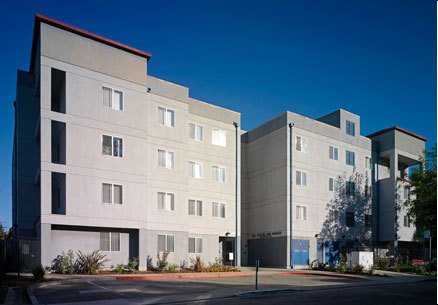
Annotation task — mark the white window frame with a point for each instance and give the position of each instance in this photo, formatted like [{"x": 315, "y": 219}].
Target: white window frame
[
  {"x": 119, "y": 151},
  {"x": 303, "y": 178},
  {"x": 407, "y": 193},
  {"x": 166, "y": 242},
  {"x": 167, "y": 122},
  {"x": 219, "y": 141},
  {"x": 348, "y": 126},
  {"x": 166, "y": 159},
  {"x": 112, "y": 98},
  {"x": 112, "y": 193},
  {"x": 368, "y": 163},
  {"x": 352, "y": 155},
  {"x": 332, "y": 155},
  {"x": 198, "y": 207},
  {"x": 111, "y": 246},
  {"x": 406, "y": 221},
  {"x": 198, "y": 245},
  {"x": 302, "y": 145},
  {"x": 219, "y": 207},
  {"x": 168, "y": 206},
  {"x": 301, "y": 212},
  {"x": 219, "y": 176},
  {"x": 193, "y": 164},
  {"x": 197, "y": 137}
]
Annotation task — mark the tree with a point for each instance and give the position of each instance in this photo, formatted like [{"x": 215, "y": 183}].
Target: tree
[
  {"x": 422, "y": 208},
  {"x": 2, "y": 232}
]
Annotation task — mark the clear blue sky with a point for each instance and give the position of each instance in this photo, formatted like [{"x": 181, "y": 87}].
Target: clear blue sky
[{"x": 373, "y": 58}]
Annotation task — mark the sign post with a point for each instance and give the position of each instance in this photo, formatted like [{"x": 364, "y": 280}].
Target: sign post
[
  {"x": 428, "y": 235},
  {"x": 257, "y": 274}
]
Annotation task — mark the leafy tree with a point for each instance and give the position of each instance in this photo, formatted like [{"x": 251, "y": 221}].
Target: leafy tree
[
  {"x": 422, "y": 208},
  {"x": 2, "y": 232}
]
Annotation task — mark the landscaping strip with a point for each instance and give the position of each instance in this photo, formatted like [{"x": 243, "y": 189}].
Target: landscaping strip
[{"x": 151, "y": 277}]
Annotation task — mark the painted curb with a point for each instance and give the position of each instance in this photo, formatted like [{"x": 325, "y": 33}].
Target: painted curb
[
  {"x": 322, "y": 274},
  {"x": 181, "y": 276}
]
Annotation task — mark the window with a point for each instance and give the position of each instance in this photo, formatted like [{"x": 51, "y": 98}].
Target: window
[
  {"x": 166, "y": 201},
  {"x": 367, "y": 220},
  {"x": 195, "y": 245},
  {"x": 196, "y": 132},
  {"x": 350, "y": 128},
  {"x": 166, "y": 243},
  {"x": 195, "y": 207},
  {"x": 301, "y": 178},
  {"x": 109, "y": 241},
  {"x": 333, "y": 184},
  {"x": 349, "y": 219},
  {"x": 166, "y": 159},
  {"x": 112, "y": 98},
  {"x": 333, "y": 153},
  {"x": 112, "y": 146},
  {"x": 407, "y": 193},
  {"x": 350, "y": 188},
  {"x": 301, "y": 213},
  {"x": 218, "y": 210},
  {"x": 218, "y": 173},
  {"x": 112, "y": 193},
  {"x": 195, "y": 169},
  {"x": 368, "y": 163},
  {"x": 333, "y": 216},
  {"x": 349, "y": 158},
  {"x": 219, "y": 137},
  {"x": 301, "y": 144},
  {"x": 166, "y": 117},
  {"x": 406, "y": 221}
]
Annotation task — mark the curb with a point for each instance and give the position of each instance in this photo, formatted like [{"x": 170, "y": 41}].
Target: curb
[
  {"x": 181, "y": 276},
  {"x": 32, "y": 297},
  {"x": 265, "y": 292},
  {"x": 322, "y": 274}
]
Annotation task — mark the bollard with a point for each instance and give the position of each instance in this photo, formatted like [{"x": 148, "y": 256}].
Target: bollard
[{"x": 257, "y": 274}]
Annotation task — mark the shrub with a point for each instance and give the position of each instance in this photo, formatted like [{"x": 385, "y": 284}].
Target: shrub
[
  {"x": 149, "y": 264},
  {"x": 183, "y": 265},
  {"x": 63, "y": 263},
  {"x": 132, "y": 264},
  {"x": 119, "y": 268},
  {"x": 217, "y": 263},
  {"x": 331, "y": 268},
  {"x": 197, "y": 264},
  {"x": 317, "y": 265},
  {"x": 382, "y": 264},
  {"x": 342, "y": 268},
  {"x": 90, "y": 263},
  {"x": 38, "y": 273},
  {"x": 162, "y": 261},
  {"x": 358, "y": 268},
  {"x": 172, "y": 268}
]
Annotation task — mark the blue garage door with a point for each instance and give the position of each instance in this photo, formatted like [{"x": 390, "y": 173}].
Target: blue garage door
[{"x": 300, "y": 255}]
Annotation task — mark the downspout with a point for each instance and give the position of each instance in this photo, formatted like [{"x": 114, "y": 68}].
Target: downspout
[
  {"x": 291, "y": 125},
  {"x": 236, "y": 239}
]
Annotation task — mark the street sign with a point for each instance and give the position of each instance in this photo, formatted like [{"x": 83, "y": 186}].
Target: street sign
[{"x": 426, "y": 234}]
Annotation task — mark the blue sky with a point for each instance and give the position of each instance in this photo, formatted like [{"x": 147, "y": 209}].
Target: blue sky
[{"x": 374, "y": 58}]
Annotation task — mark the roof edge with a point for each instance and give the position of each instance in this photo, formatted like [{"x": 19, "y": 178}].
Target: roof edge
[{"x": 398, "y": 129}]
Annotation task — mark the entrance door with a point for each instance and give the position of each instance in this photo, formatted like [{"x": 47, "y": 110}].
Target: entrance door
[
  {"x": 320, "y": 250},
  {"x": 300, "y": 255},
  {"x": 331, "y": 249},
  {"x": 227, "y": 248}
]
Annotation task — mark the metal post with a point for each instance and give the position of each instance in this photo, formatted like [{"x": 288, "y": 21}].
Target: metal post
[
  {"x": 236, "y": 239},
  {"x": 430, "y": 252},
  {"x": 291, "y": 125},
  {"x": 257, "y": 274}
]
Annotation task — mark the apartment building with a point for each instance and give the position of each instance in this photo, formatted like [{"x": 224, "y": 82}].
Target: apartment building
[
  {"x": 107, "y": 157},
  {"x": 313, "y": 188}
]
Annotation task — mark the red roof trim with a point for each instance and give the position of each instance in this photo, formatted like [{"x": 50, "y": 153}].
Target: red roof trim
[
  {"x": 399, "y": 129},
  {"x": 41, "y": 18}
]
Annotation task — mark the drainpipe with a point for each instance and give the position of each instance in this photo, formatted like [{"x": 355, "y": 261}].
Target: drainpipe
[
  {"x": 291, "y": 125},
  {"x": 236, "y": 239}
]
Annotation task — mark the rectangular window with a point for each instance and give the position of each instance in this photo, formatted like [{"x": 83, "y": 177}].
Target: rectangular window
[
  {"x": 166, "y": 159},
  {"x": 368, "y": 163},
  {"x": 112, "y": 146},
  {"x": 218, "y": 210},
  {"x": 301, "y": 144},
  {"x": 333, "y": 184},
  {"x": 351, "y": 128},
  {"x": 166, "y": 243},
  {"x": 350, "y": 188},
  {"x": 195, "y": 207},
  {"x": 195, "y": 169},
  {"x": 333, "y": 153},
  {"x": 349, "y": 158},
  {"x": 301, "y": 213},
  {"x": 368, "y": 191},
  {"x": 407, "y": 193},
  {"x": 112, "y": 193},
  {"x": 166, "y": 117},
  {"x": 333, "y": 216},
  {"x": 196, "y": 132},
  {"x": 219, "y": 137},
  {"x": 109, "y": 241},
  {"x": 349, "y": 219},
  {"x": 218, "y": 173},
  {"x": 301, "y": 178},
  {"x": 406, "y": 221},
  {"x": 112, "y": 98},
  {"x": 166, "y": 201},
  {"x": 367, "y": 220},
  {"x": 195, "y": 245}
]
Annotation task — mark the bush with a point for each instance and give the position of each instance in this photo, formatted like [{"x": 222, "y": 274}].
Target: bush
[
  {"x": 382, "y": 264},
  {"x": 358, "y": 268},
  {"x": 217, "y": 263},
  {"x": 197, "y": 264},
  {"x": 342, "y": 268},
  {"x": 132, "y": 264},
  {"x": 149, "y": 264},
  {"x": 64, "y": 263},
  {"x": 317, "y": 265},
  {"x": 183, "y": 265},
  {"x": 119, "y": 268},
  {"x": 90, "y": 263},
  {"x": 162, "y": 261},
  {"x": 172, "y": 268},
  {"x": 38, "y": 273}
]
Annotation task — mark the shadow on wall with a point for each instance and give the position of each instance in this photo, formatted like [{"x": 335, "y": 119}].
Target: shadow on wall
[{"x": 347, "y": 226}]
